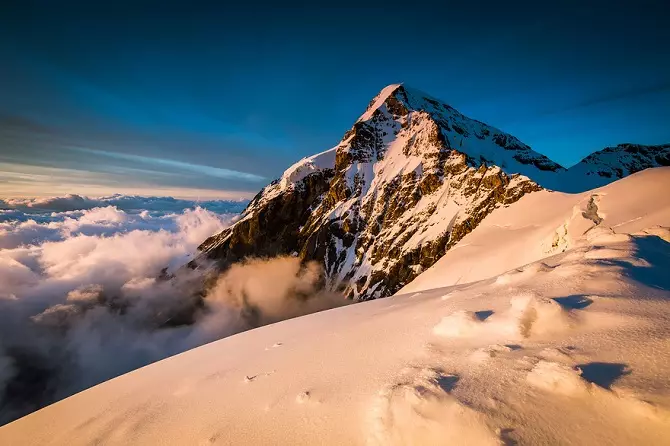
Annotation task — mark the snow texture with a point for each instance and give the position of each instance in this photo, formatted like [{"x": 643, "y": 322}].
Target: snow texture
[{"x": 541, "y": 326}]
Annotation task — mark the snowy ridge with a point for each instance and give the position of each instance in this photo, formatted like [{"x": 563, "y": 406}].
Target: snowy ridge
[
  {"x": 516, "y": 157},
  {"x": 568, "y": 348},
  {"x": 378, "y": 101},
  {"x": 307, "y": 166}
]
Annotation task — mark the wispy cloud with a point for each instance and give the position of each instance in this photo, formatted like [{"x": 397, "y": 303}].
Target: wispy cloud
[
  {"x": 39, "y": 161},
  {"x": 23, "y": 181},
  {"x": 216, "y": 172}
]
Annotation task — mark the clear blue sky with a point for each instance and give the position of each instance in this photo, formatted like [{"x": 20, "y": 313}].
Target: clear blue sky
[{"x": 207, "y": 99}]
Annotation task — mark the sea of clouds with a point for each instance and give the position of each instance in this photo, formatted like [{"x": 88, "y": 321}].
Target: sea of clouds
[{"x": 93, "y": 288}]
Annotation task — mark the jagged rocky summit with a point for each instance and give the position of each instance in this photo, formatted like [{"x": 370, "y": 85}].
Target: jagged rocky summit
[{"x": 409, "y": 180}]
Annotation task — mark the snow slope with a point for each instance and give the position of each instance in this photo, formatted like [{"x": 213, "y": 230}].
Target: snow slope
[
  {"x": 572, "y": 348},
  {"x": 551, "y": 222}
]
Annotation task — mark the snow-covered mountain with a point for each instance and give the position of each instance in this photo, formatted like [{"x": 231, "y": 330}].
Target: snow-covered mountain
[
  {"x": 405, "y": 184},
  {"x": 373, "y": 208},
  {"x": 547, "y": 324},
  {"x": 610, "y": 164}
]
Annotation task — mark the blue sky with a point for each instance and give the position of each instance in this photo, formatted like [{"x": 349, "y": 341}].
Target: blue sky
[{"x": 201, "y": 99}]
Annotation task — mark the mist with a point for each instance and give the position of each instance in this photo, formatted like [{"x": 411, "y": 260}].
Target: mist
[{"x": 90, "y": 294}]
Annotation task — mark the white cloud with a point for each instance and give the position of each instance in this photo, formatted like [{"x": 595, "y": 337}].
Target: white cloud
[
  {"x": 35, "y": 220},
  {"x": 74, "y": 202},
  {"x": 83, "y": 295}
]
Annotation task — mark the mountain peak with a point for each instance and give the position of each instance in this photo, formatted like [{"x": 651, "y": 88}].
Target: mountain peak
[
  {"x": 409, "y": 180},
  {"x": 405, "y": 183},
  {"x": 379, "y": 100},
  {"x": 400, "y": 99},
  {"x": 401, "y": 114}
]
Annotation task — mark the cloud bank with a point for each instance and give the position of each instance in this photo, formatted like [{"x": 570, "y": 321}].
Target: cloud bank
[
  {"x": 85, "y": 294},
  {"x": 73, "y": 202}
]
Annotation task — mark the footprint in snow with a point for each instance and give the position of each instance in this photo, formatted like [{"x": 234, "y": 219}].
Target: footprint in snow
[
  {"x": 303, "y": 397},
  {"x": 213, "y": 439},
  {"x": 507, "y": 437},
  {"x": 252, "y": 378}
]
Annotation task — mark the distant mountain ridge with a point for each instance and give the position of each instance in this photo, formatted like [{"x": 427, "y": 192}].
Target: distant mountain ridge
[
  {"x": 406, "y": 182},
  {"x": 611, "y": 164}
]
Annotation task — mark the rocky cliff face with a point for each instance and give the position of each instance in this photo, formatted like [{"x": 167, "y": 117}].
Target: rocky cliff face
[{"x": 407, "y": 182}]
